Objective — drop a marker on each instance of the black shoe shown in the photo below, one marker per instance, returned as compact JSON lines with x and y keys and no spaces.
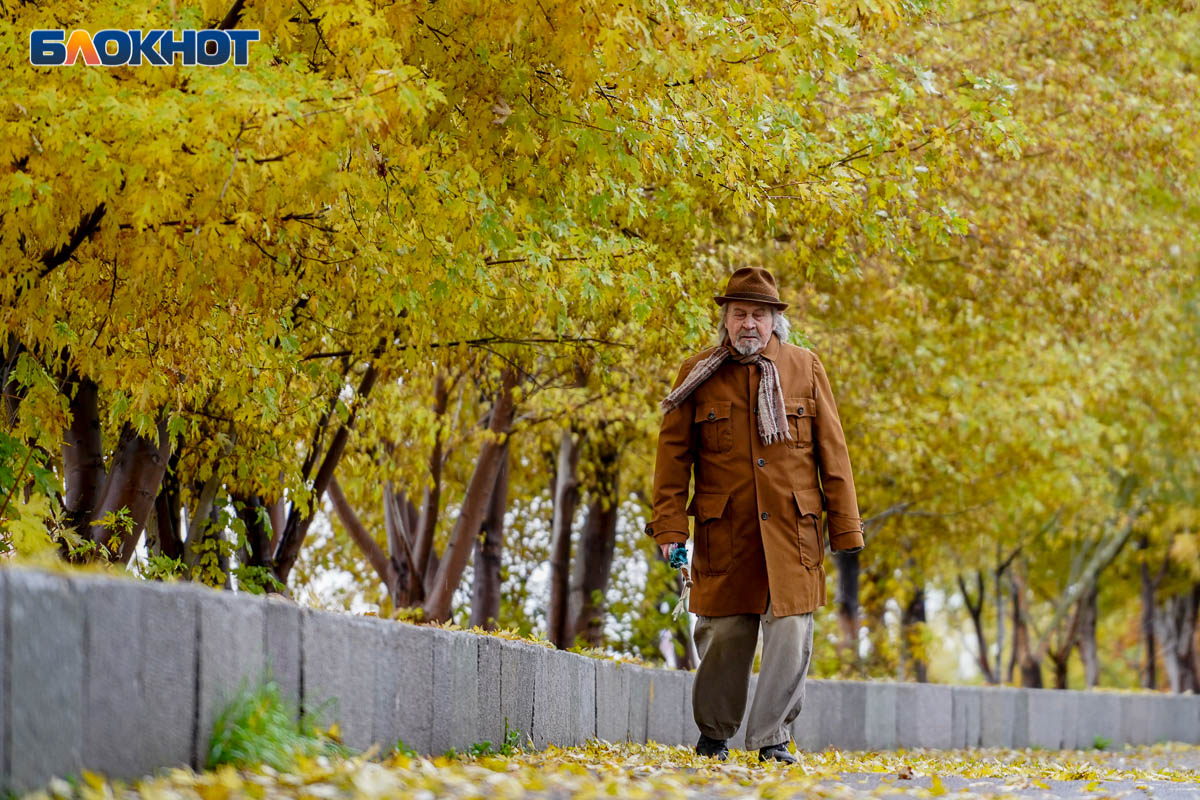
{"x":776,"y":752}
{"x":713,"y":748}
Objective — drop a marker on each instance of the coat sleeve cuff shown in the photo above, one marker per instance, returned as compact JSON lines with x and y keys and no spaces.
{"x":845,"y":533}
{"x":669,"y":529}
{"x":670,"y":537}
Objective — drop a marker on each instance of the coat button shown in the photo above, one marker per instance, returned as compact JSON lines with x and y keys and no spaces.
{"x":712,"y":415}
{"x":762,"y":462}
{"x":800,"y":410}
{"x":765,"y":515}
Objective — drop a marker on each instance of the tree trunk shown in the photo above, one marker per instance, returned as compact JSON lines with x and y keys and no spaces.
{"x":407,"y":585}
{"x":1000,"y":621}
{"x":278,"y":514}
{"x":204,"y":537}
{"x":252,"y":512}
{"x":593,"y":561}
{"x":10,"y":392}
{"x":474,"y":507}
{"x":1060,"y":655}
{"x":1018,"y":630}
{"x":384,"y":566}
{"x":168,"y":513}
{"x":1089,"y":651}
{"x":489,"y":549}
{"x":425,"y":562}
{"x":298,"y":520}
{"x":202,"y":517}
{"x":914,"y":615}
{"x":1060,"y":660}
{"x":133,"y":483}
{"x":1176,"y":623}
{"x":83,"y":456}
{"x":975,"y":608}
{"x":566,"y":499}
{"x":848,"y":569}
{"x":1031,"y":667}
{"x":1149,"y":645}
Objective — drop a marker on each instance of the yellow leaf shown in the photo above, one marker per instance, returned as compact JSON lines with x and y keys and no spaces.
{"x":28,"y":529}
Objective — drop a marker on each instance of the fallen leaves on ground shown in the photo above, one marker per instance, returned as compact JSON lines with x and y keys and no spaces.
{"x":602,"y":770}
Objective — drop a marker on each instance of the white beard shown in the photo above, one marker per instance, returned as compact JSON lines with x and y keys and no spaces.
{"x":748,"y":347}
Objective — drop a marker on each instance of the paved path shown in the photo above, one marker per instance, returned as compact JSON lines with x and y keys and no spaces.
{"x":875,"y":785}
{"x":1180,"y":763}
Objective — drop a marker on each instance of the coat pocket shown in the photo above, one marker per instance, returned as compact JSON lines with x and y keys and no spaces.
{"x":808,"y":526}
{"x":801,"y":411}
{"x":714,"y":533}
{"x":716,"y":433}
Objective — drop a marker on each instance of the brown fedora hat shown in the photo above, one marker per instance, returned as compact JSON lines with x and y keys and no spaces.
{"x":754,"y":285}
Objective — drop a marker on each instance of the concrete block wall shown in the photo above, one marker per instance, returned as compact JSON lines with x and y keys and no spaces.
{"x":124,"y":677}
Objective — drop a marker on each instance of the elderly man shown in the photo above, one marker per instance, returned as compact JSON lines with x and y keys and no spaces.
{"x":754,"y":421}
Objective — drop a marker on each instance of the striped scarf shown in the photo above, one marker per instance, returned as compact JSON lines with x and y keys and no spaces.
{"x":772,"y":419}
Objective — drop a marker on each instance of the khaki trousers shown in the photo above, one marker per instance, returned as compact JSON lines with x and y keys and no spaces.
{"x":726,"y":647}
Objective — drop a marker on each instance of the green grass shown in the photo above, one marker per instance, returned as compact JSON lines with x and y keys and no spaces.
{"x":259,"y":727}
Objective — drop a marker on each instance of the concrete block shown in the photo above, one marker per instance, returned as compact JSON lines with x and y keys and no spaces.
{"x":283,"y":647}
{"x":356,"y":695}
{"x":231,"y":655}
{"x":691,"y":733}
{"x":169,"y":661}
{"x":999,"y":715}
{"x":1193,"y":716}
{"x":819,"y":715}
{"x":848,"y":715}
{"x":846,"y":725}
{"x":518,"y":670}
{"x":552,"y":702}
{"x":1136,"y":719}
{"x":1099,"y":717}
{"x":455,"y":690}
{"x":1072,"y":705}
{"x":491,"y":717}
{"x":880,"y":724}
{"x":1178,"y":724}
{"x":664,"y":722}
{"x":612,"y":701}
{"x":584,"y":698}
{"x":46,"y":679}
{"x":924,"y":715}
{"x":967,"y":702}
{"x":1163,"y":726}
{"x":638,"y":680}
{"x":112,"y":696}
{"x":403,"y":677}
{"x":1045,"y":712}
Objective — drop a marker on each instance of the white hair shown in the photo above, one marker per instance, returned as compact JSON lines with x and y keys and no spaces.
{"x":779,"y":325}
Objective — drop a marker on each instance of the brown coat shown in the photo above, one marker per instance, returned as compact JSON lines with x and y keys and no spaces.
{"x":757,"y":507}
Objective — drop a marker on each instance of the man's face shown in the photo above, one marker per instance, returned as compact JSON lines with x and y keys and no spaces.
{"x":749,"y":325}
